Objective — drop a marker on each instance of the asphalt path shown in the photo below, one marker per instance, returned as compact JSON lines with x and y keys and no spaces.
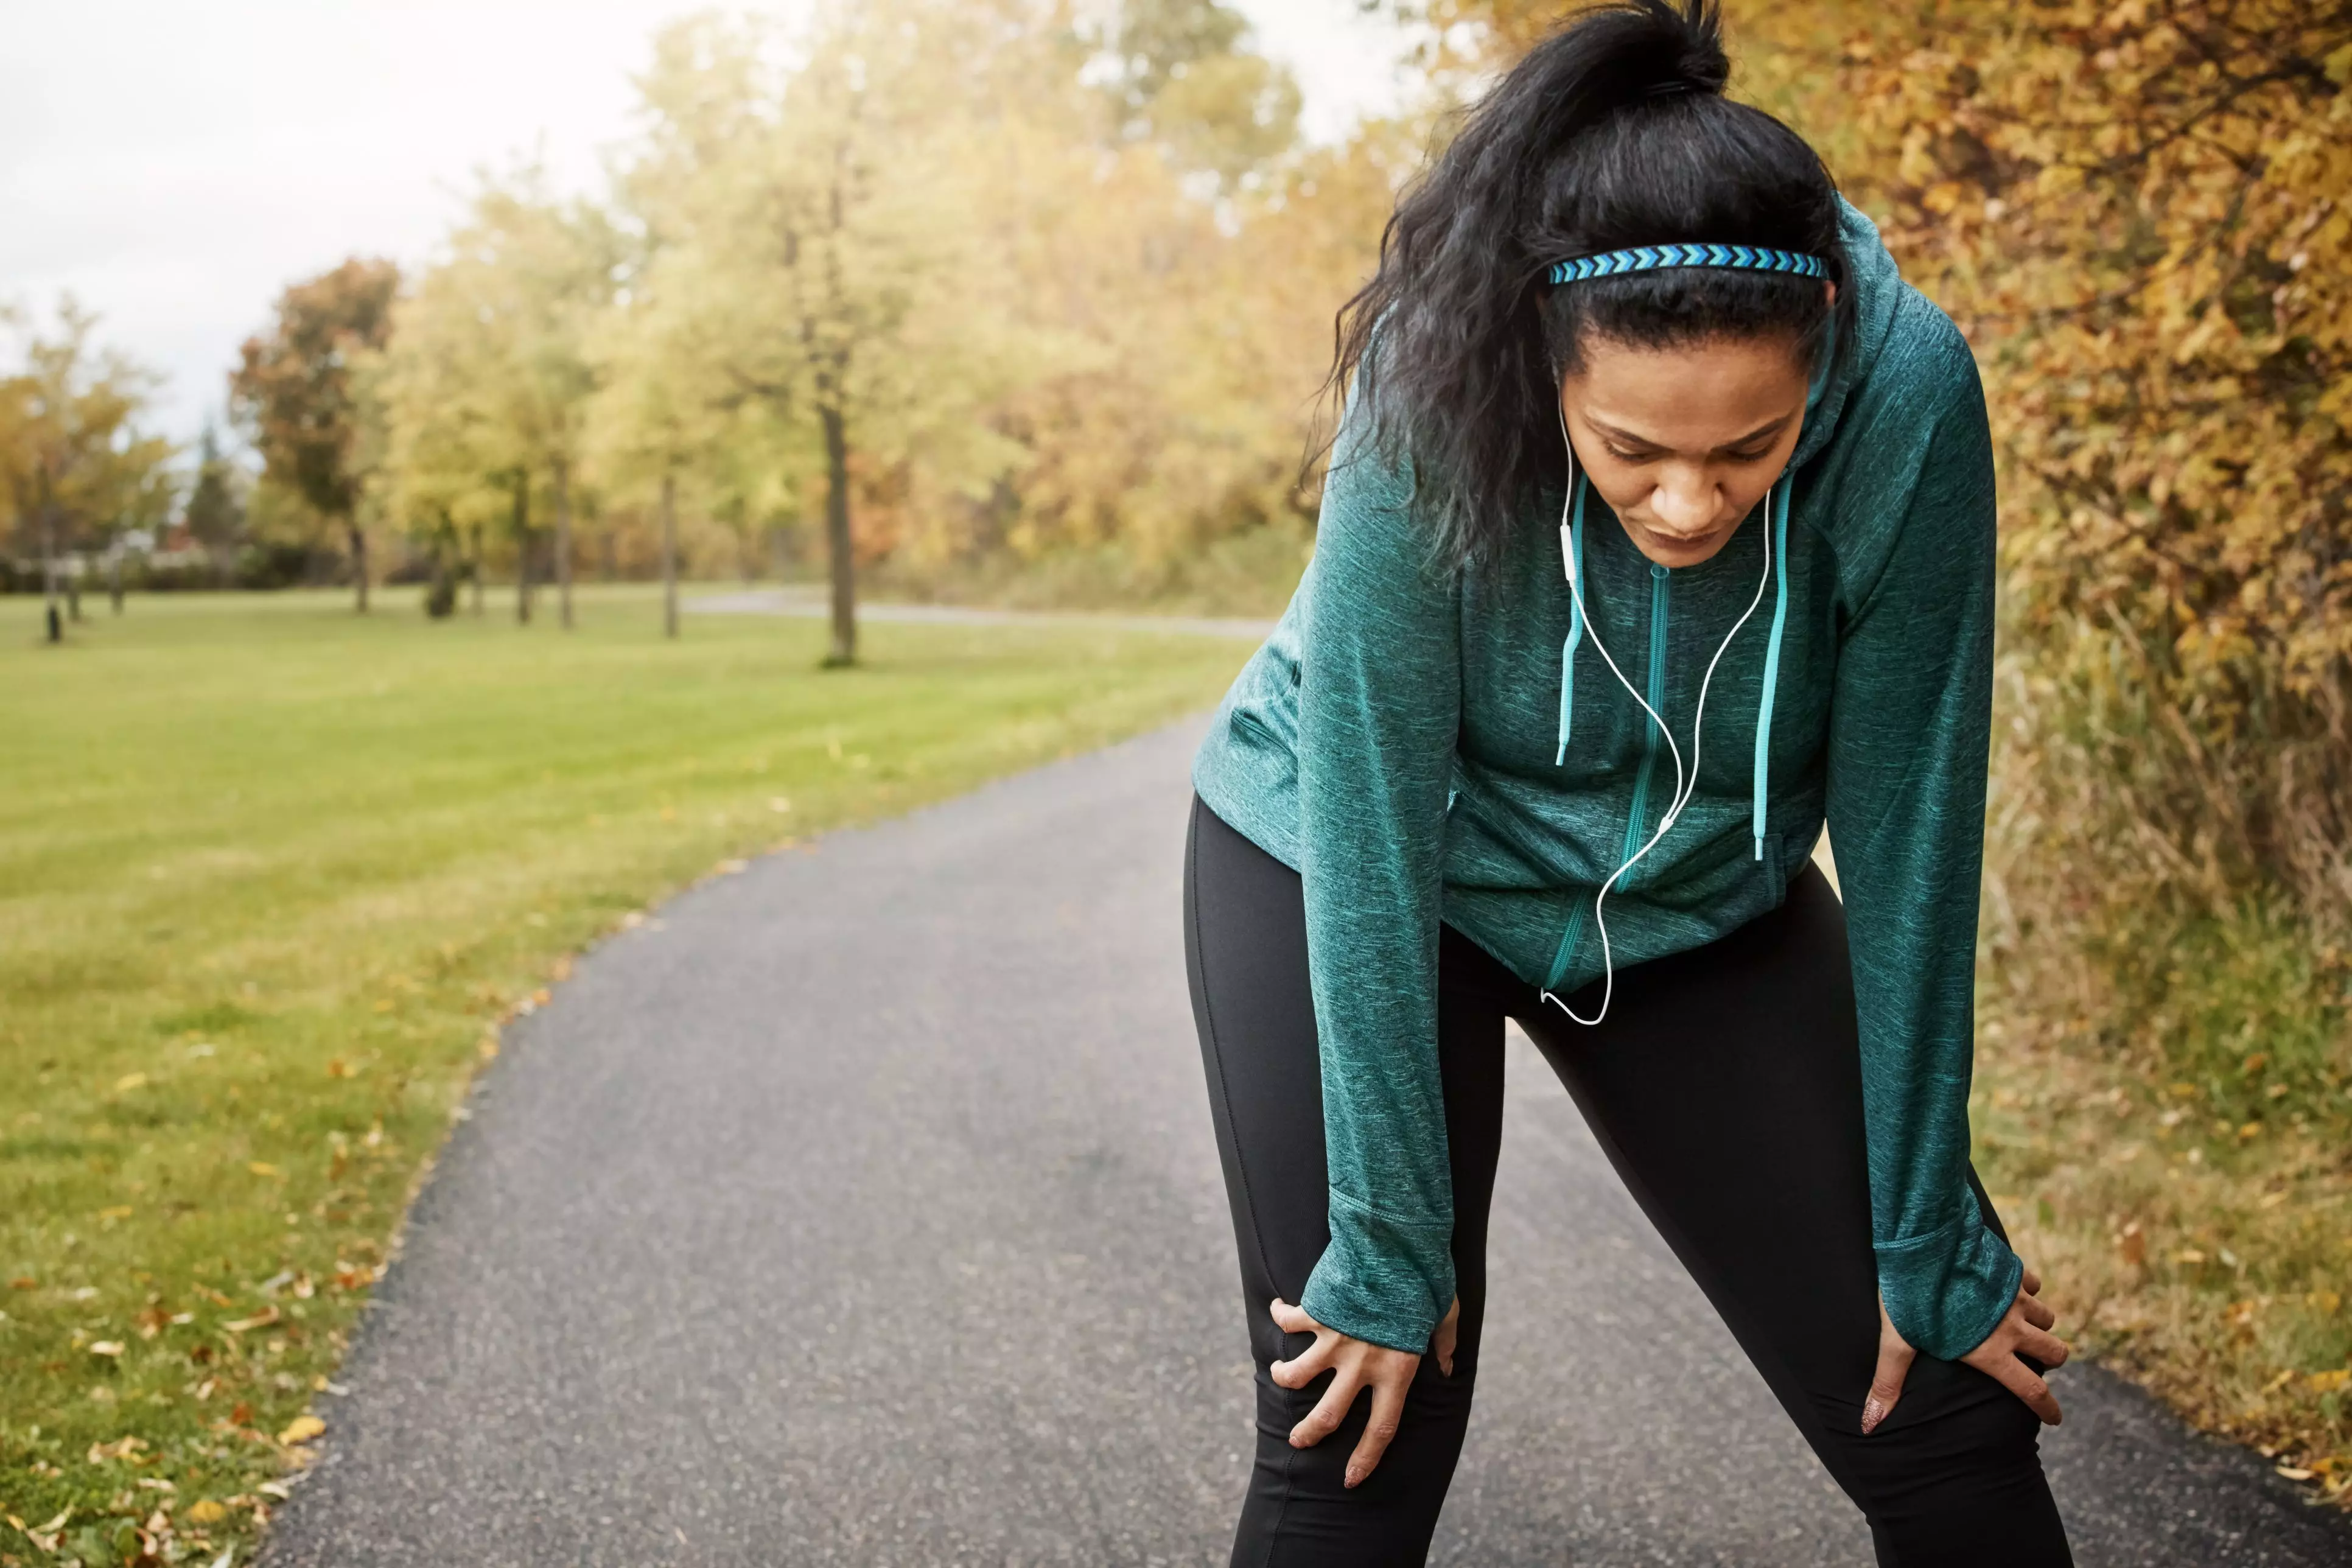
{"x":862,"y":1209}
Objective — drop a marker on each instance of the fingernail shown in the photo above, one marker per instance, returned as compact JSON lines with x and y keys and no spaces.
{"x":1873,"y":1411}
{"x":1352,"y":1478}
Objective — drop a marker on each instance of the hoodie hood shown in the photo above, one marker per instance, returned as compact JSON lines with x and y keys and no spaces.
{"x":1878,"y":288}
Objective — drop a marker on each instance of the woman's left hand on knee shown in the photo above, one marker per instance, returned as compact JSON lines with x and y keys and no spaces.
{"x":2023,"y":1331}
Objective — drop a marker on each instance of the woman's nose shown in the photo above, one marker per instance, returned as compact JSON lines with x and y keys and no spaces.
{"x":1683,"y":509}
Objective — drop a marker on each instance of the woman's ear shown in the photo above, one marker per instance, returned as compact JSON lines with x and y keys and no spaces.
{"x":1833,"y":289}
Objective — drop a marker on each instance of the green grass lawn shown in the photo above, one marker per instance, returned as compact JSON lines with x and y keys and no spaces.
{"x":270,"y":877}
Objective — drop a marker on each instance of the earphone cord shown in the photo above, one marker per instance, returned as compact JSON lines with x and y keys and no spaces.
{"x":1684,"y":788}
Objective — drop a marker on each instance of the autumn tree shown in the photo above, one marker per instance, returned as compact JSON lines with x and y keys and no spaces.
{"x":817,"y":258}
{"x":485,"y":380}
{"x":75,"y":467}
{"x":2138,"y":212}
{"x":1183,"y":251}
{"x":293,"y":392}
{"x":1186,"y":79}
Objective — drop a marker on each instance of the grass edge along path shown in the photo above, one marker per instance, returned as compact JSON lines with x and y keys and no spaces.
{"x":271,"y":877}
{"x":2173,"y":1158}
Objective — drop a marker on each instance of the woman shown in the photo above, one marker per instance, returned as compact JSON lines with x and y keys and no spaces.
{"x":1659,"y":529}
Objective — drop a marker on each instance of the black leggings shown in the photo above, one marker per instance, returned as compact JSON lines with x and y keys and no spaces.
{"x":1726,"y":1088}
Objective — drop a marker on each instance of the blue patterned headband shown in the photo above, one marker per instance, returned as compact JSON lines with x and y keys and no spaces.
{"x":1650,"y":258}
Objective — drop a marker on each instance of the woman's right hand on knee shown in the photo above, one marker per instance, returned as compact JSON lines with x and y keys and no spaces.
{"x":1356,"y":1365}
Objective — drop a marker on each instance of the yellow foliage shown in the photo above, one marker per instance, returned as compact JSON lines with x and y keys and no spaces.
{"x":2138,"y":213}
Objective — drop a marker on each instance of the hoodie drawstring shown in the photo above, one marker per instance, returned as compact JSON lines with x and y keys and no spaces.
{"x":1779,"y":522}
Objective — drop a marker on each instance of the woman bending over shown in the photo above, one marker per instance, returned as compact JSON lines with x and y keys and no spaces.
{"x":1658,"y":533}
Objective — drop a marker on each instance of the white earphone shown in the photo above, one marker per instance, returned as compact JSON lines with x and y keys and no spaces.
{"x":1684,"y":788}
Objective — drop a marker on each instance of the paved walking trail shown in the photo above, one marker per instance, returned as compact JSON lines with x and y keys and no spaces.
{"x":862,"y":1210}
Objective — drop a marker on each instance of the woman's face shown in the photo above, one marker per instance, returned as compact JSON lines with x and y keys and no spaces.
{"x":1683,"y":442}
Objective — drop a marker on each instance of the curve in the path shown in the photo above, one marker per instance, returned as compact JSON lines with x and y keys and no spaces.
{"x":862,"y":1210}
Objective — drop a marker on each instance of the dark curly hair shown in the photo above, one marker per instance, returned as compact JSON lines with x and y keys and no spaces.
{"x":1613,"y":132}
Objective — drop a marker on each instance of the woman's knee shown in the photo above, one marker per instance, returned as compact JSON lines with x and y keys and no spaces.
{"x":1300,"y":1510}
{"x":1954,"y":1475}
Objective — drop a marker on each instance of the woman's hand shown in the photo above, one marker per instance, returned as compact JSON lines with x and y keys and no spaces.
{"x":2023,"y":1329}
{"x":1359,"y":1365}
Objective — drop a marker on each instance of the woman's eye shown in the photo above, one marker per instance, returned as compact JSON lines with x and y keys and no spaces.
{"x":1625,"y":456}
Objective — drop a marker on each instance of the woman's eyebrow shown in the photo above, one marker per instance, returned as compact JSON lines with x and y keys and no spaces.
{"x":1628,"y":438}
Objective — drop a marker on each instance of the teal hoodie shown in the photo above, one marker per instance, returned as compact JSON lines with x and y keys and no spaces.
{"x":1425,"y":744}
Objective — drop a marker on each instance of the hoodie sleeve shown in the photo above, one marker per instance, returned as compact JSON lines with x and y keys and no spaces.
{"x":1909,"y":733}
{"x":1378,"y":711}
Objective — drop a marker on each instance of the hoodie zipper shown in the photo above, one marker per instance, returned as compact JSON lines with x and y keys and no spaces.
{"x":1635,"y":821}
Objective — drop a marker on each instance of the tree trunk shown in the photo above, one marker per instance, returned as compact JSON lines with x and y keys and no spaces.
{"x":669,"y":554}
{"x":563,"y":545}
{"x":837,"y":540}
{"x":49,"y":616}
{"x":522,"y":551}
{"x":359,"y":562}
{"x":114,"y":580}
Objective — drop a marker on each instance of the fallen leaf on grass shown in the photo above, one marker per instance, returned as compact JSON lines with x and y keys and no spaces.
{"x":261,"y":1320}
{"x":44,"y":1536}
{"x":263,"y":1168}
{"x":206,"y":1512}
{"x":301,"y":1429}
{"x":275,"y":1489}
{"x":107,"y":1348}
{"x":2329,"y":1381}
{"x":129,"y":1081}
{"x":2295,"y":1472}
{"x":121,"y":1448}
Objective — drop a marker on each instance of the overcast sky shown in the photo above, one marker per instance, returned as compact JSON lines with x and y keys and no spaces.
{"x":175,"y":162}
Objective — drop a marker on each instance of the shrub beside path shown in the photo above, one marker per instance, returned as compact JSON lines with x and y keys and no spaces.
{"x":862,"y":1209}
